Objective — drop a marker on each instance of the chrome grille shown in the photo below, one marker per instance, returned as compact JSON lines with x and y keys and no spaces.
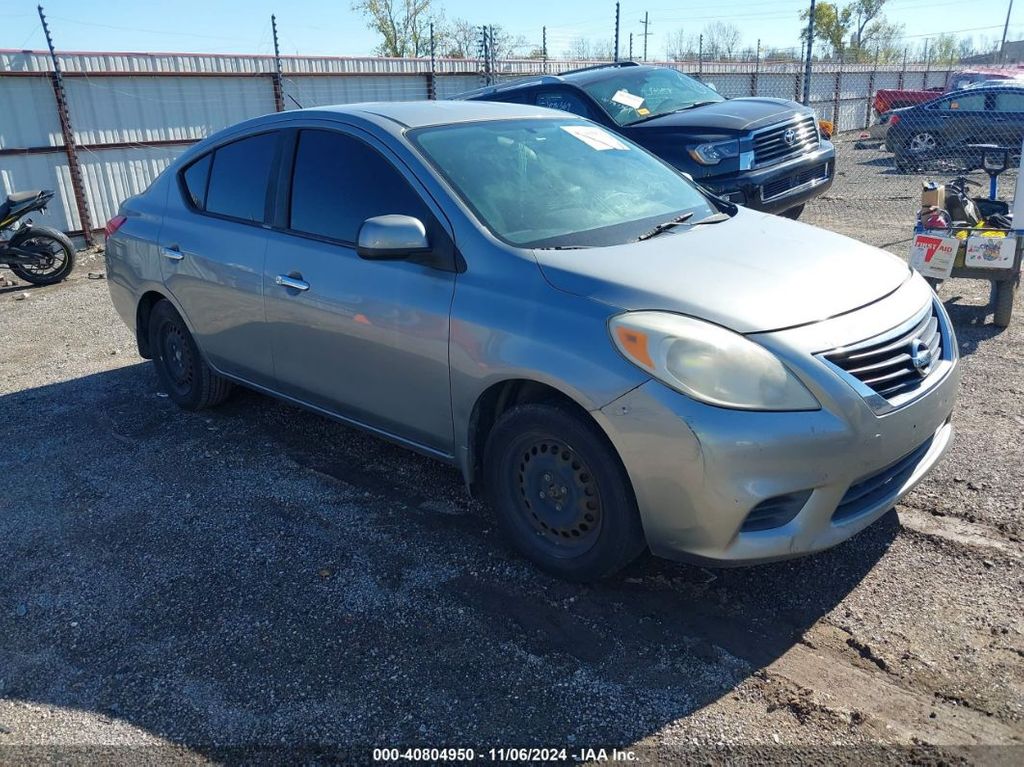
{"x":887,"y":366}
{"x":771,"y":145}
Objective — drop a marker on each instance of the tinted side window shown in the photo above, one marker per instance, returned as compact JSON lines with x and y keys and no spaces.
{"x":1009,"y":102}
{"x":974,"y":102}
{"x":239,"y":177}
{"x":195,"y":178}
{"x":339,"y":182}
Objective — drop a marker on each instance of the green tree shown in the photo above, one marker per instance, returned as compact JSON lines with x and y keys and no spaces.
{"x":404,"y":25}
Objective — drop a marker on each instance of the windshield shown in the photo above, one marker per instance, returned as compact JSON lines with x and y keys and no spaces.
{"x":558,"y":183}
{"x":632,"y":95}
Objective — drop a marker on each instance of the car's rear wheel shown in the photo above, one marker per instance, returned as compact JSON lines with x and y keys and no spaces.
{"x":923,"y":142}
{"x":560,"y":492}
{"x":183,"y":373}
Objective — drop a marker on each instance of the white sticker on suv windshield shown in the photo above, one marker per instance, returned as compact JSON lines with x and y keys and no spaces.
{"x":595,"y":137}
{"x":627,"y":99}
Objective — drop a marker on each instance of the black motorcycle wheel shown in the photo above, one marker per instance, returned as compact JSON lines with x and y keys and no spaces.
{"x":57,"y":255}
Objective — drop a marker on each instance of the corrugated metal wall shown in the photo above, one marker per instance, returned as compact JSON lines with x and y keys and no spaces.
{"x":133,"y":113}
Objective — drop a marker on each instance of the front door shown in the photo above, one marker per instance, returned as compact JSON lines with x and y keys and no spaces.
{"x":367,"y":340}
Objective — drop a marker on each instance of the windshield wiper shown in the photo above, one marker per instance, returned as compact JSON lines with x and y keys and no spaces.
{"x":714,"y":218}
{"x":666,"y":225}
{"x":563,"y":247}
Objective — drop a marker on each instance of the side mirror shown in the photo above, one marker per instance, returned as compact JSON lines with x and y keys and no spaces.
{"x":392,"y":238}
{"x":712,"y":86}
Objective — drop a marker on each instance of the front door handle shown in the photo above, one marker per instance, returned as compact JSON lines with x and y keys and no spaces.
{"x":291,"y":281}
{"x":172,"y":253}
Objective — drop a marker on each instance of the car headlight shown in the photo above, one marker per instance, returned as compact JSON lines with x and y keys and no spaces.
{"x":714,"y":153}
{"x":708,"y":362}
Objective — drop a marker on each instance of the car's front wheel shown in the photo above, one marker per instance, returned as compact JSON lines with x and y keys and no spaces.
{"x":560,"y":492}
{"x":794,"y":212}
{"x":183,"y":373}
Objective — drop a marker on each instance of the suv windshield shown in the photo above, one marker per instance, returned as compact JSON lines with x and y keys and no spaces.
{"x":558,"y":183}
{"x":632,"y":95}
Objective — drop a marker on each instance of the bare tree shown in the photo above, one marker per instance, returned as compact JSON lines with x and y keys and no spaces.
{"x":584,"y":49}
{"x":721,"y":39}
{"x":404,"y":25}
{"x":679,"y":46}
{"x":461,"y":40}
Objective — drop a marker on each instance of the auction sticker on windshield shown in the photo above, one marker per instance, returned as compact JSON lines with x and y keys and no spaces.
{"x":595,"y":137}
{"x":627,"y":99}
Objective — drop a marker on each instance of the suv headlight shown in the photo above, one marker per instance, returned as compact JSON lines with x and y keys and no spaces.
{"x":708,"y":362}
{"x":714,"y":153}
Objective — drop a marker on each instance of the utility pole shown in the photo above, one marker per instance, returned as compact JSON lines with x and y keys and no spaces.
{"x":1006,"y":26}
{"x":278,"y":86}
{"x":68,"y":134}
{"x":807,"y":61}
{"x":647,"y":33}
{"x":927,"y":63}
{"x":616,"y":32}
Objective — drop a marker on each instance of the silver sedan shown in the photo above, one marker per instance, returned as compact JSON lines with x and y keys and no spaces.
{"x":613,"y":357}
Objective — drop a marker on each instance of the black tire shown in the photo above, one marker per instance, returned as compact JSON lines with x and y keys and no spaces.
{"x":62,"y":254}
{"x":794,"y":212}
{"x":1003,"y":294}
{"x":183,"y":373}
{"x":561,"y":494}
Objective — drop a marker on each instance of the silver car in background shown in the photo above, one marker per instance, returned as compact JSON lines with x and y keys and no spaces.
{"x":612,"y":357}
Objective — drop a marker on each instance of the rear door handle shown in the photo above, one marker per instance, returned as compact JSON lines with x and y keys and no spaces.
{"x":289,"y":281}
{"x":172,"y":253}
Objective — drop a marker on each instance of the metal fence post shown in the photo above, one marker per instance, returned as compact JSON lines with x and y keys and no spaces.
{"x":757,"y":69}
{"x":871,"y":89}
{"x":432,"y":74}
{"x":68,"y":134}
{"x":835,"y":96}
{"x":278,"y":86}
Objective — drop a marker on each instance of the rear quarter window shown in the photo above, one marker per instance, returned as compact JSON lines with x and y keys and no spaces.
{"x":194,"y":179}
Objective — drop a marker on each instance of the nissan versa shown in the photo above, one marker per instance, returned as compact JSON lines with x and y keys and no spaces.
{"x":611,"y":356}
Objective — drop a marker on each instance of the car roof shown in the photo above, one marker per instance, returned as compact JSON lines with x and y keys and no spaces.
{"x":578,"y":77}
{"x":419,"y":114}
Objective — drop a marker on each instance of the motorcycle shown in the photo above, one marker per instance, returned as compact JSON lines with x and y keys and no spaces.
{"x":37,"y":254}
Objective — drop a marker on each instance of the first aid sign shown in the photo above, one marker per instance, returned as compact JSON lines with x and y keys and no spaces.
{"x":933,"y":256}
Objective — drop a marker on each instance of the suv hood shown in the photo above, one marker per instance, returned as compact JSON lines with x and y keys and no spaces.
{"x":731,"y":115}
{"x":753,"y":273}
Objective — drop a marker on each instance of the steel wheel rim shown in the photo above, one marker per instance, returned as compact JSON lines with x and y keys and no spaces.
{"x":556,"y":495}
{"x":177,"y":358}
{"x":923,"y":142}
{"x":56,"y":258}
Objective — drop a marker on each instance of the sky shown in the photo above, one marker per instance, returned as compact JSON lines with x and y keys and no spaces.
{"x":330,"y":27}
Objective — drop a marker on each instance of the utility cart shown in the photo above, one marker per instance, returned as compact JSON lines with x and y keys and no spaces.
{"x":946,"y":245}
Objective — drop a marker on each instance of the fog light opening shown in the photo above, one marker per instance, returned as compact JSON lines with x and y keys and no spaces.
{"x":775,"y":512}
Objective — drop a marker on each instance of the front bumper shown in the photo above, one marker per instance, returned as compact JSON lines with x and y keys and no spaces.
{"x":698,"y":471}
{"x":778,"y":188}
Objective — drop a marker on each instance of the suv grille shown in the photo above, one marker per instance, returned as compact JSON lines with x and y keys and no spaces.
{"x":771,"y":144}
{"x":887,"y":366}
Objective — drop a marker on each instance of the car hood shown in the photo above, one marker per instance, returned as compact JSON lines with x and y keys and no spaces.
{"x":753,"y":273}
{"x":732,"y":115}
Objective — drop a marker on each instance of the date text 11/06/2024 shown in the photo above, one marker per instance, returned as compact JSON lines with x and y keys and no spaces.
{"x":512,"y":754}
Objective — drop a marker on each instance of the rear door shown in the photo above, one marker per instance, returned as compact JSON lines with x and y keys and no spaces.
{"x":213,"y":244}
{"x":366,"y":340}
{"x":1008,"y":118}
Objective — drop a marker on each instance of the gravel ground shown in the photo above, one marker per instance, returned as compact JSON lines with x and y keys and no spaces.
{"x":179,"y":585}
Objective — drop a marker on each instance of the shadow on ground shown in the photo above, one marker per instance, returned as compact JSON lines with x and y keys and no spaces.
{"x":260,"y":575}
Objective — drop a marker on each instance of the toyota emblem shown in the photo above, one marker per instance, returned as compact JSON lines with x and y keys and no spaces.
{"x":921,"y":357}
{"x":789,"y":136}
